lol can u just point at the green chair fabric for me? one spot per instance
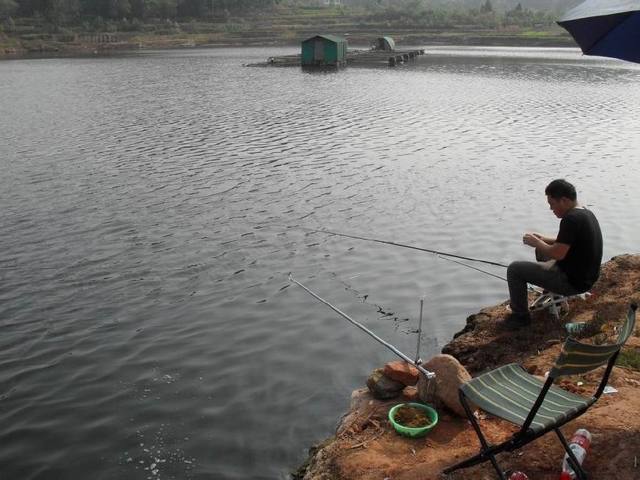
(576, 358)
(509, 392)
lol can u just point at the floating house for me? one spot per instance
(324, 50)
(385, 44)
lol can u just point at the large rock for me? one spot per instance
(402, 372)
(382, 387)
(450, 374)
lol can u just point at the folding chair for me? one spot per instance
(538, 407)
(552, 301)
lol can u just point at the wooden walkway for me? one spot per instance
(354, 57)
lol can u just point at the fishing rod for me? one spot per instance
(413, 247)
(415, 363)
(418, 360)
(441, 255)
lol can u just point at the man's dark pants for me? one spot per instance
(545, 274)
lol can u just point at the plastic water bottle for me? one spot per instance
(518, 476)
(579, 445)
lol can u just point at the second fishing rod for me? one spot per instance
(444, 255)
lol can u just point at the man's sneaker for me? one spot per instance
(517, 320)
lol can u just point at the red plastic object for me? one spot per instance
(518, 476)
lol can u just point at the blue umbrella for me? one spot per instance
(607, 28)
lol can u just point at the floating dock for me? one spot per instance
(354, 58)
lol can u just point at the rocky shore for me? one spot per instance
(365, 446)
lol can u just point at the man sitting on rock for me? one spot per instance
(568, 264)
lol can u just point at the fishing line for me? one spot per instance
(427, 373)
(473, 268)
(428, 250)
(531, 288)
(441, 255)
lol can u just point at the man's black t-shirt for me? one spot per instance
(580, 230)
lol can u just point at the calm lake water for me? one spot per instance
(150, 213)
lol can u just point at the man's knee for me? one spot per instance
(514, 270)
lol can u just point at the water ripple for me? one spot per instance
(153, 206)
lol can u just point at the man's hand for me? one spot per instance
(533, 240)
(547, 240)
(547, 246)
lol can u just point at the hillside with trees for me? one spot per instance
(76, 25)
(553, 6)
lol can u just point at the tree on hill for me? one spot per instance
(100, 14)
(57, 11)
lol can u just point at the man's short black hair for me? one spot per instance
(561, 188)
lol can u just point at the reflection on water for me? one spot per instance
(150, 214)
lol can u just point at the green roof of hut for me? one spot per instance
(332, 38)
(324, 50)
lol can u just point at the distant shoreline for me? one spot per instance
(140, 43)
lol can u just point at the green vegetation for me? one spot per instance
(61, 25)
(630, 358)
